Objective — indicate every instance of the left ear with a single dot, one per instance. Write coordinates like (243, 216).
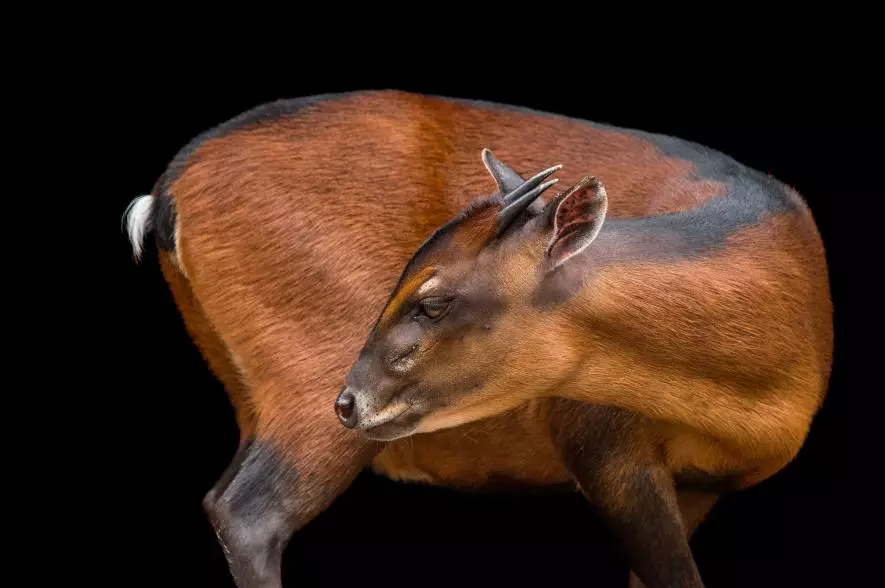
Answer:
(577, 216)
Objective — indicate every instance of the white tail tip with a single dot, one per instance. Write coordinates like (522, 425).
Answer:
(136, 222)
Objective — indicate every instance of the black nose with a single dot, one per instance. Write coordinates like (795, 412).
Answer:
(344, 408)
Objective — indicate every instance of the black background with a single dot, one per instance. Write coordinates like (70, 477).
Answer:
(176, 431)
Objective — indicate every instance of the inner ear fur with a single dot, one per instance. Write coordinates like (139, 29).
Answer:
(575, 217)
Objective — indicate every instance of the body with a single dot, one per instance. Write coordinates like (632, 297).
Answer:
(281, 234)
(725, 347)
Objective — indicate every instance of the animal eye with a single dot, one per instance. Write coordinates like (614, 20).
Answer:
(433, 308)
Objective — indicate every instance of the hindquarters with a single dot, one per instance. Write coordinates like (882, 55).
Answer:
(153, 215)
(294, 458)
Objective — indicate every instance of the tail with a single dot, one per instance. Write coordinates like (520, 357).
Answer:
(138, 222)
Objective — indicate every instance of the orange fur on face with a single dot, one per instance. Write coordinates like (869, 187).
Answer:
(405, 291)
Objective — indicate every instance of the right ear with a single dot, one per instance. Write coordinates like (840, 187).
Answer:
(576, 216)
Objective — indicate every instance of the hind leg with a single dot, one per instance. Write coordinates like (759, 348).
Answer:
(216, 354)
(279, 480)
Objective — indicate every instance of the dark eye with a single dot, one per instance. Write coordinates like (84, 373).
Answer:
(433, 308)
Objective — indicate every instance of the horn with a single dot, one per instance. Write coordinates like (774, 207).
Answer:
(522, 201)
(505, 178)
(529, 185)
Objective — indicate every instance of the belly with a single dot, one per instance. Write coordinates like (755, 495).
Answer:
(515, 451)
(512, 450)
(699, 462)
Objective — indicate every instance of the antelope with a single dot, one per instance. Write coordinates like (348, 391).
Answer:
(706, 319)
(282, 232)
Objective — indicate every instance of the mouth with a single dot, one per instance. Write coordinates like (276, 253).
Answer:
(394, 422)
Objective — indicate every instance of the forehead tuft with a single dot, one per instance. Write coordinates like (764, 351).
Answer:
(463, 236)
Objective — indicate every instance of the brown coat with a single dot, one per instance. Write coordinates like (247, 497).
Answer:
(284, 231)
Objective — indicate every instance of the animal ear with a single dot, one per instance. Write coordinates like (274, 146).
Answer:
(577, 216)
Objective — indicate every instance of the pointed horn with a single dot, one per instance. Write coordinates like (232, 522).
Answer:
(530, 184)
(516, 207)
(505, 178)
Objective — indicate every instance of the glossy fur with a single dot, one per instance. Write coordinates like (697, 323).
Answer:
(283, 233)
(713, 320)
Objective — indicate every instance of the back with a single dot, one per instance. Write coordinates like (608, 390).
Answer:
(345, 188)
(301, 213)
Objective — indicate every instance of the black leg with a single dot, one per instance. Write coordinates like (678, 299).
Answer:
(251, 516)
(646, 520)
(694, 507)
(619, 471)
(268, 493)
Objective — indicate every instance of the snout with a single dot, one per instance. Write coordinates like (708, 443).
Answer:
(379, 416)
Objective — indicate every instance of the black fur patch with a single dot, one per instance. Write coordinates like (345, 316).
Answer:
(638, 504)
(750, 194)
(249, 510)
(163, 219)
(700, 481)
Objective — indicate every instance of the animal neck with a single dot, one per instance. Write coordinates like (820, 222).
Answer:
(664, 328)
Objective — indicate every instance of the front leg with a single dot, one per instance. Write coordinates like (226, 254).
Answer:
(618, 470)
(694, 507)
(288, 469)
(640, 505)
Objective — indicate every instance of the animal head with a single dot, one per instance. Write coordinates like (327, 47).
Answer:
(465, 333)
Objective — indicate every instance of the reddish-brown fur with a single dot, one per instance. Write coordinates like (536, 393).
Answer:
(292, 233)
(311, 241)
